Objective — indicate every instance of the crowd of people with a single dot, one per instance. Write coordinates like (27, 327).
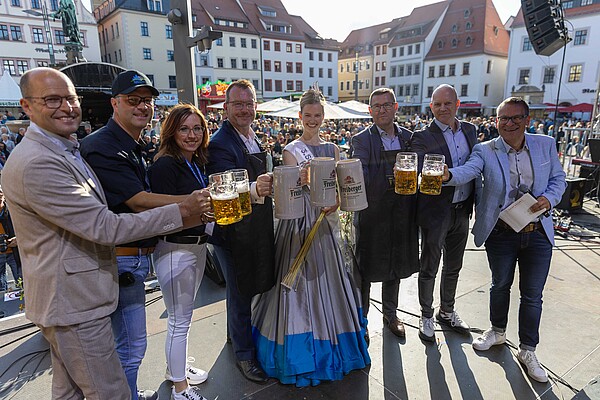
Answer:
(90, 213)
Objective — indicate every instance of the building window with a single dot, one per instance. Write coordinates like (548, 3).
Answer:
(580, 37)
(329, 73)
(417, 48)
(409, 70)
(277, 66)
(575, 73)
(452, 70)
(320, 56)
(320, 72)
(172, 82)
(231, 41)
(54, 5)
(400, 70)
(464, 90)
(311, 72)
(466, 68)
(440, 44)
(15, 3)
(442, 70)
(407, 90)
(288, 48)
(298, 86)
(59, 36)
(311, 55)
(220, 62)
(400, 91)
(376, 82)
(38, 35)
(467, 13)
(289, 67)
(117, 28)
(267, 45)
(253, 43)
(255, 64)
(298, 67)
(431, 72)
(120, 55)
(417, 69)
(289, 85)
(203, 60)
(454, 43)
(549, 73)
(278, 85)
(267, 66)
(524, 76)
(409, 50)
(244, 63)
(168, 32)
(486, 90)
(526, 44)
(415, 89)
(469, 41)
(4, 32)
(243, 43)
(489, 67)
(468, 26)
(586, 2)
(268, 85)
(16, 34)
(429, 91)
(219, 41)
(170, 55)
(341, 86)
(454, 28)
(233, 62)
(147, 53)
(401, 51)
(393, 71)
(277, 47)
(255, 83)
(394, 51)
(9, 65)
(567, 5)
(329, 91)
(367, 84)
(329, 57)
(144, 29)
(36, 4)
(377, 66)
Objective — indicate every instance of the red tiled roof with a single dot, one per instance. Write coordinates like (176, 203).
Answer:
(487, 33)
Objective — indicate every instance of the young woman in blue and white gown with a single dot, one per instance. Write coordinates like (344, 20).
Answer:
(316, 332)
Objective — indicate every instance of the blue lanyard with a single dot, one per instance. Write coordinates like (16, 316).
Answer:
(196, 171)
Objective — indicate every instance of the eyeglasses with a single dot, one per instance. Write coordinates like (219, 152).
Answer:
(135, 101)
(386, 106)
(517, 119)
(198, 130)
(55, 102)
(238, 105)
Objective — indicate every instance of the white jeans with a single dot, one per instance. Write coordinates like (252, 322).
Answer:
(179, 269)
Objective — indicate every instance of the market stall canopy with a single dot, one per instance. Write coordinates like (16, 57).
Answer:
(582, 108)
(217, 105)
(354, 105)
(332, 111)
(10, 93)
(274, 105)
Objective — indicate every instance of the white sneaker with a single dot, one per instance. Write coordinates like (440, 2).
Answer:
(195, 376)
(488, 339)
(534, 369)
(427, 329)
(190, 393)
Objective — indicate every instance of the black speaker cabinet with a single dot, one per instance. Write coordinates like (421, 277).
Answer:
(591, 175)
(572, 199)
(545, 25)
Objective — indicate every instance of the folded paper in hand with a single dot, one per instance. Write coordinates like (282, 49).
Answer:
(518, 215)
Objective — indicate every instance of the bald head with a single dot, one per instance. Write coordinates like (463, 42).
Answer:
(32, 76)
(446, 89)
(444, 104)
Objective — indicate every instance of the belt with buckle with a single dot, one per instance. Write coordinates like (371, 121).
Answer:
(186, 239)
(133, 251)
(530, 227)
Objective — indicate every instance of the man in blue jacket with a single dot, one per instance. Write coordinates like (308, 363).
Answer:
(511, 165)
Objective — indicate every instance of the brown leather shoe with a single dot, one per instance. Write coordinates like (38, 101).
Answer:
(396, 326)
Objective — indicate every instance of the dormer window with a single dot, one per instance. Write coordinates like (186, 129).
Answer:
(454, 43)
(441, 44)
(469, 41)
(267, 11)
(468, 26)
(454, 28)
(467, 13)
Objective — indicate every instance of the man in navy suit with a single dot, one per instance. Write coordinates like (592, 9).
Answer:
(245, 249)
(512, 165)
(387, 236)
(444, 219)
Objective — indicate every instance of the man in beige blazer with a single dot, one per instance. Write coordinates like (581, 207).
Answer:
(67, 236)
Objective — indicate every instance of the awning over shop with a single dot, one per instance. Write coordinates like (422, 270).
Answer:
(474, 106)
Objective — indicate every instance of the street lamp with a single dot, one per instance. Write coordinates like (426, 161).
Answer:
(44, 15)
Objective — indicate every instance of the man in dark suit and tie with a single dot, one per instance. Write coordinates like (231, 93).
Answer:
(246, 249)
(387, 235)
(443, 219)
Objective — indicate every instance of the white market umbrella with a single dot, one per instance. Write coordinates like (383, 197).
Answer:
(332, 111)
(273, 105)
(354, 105)
(10, 92)
(217, 105)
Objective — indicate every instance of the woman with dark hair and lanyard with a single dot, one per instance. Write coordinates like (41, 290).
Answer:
(180, 258)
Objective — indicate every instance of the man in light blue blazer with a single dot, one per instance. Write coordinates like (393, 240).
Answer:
(511, 165)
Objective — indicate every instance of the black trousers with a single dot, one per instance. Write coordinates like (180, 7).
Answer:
(449, 238)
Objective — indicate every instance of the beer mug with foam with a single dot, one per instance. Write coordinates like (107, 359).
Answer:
(322, 182)
(287, 192)
(353, 196)
(432, 173)
(225, 199)
(240, 176)
(405, 173)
